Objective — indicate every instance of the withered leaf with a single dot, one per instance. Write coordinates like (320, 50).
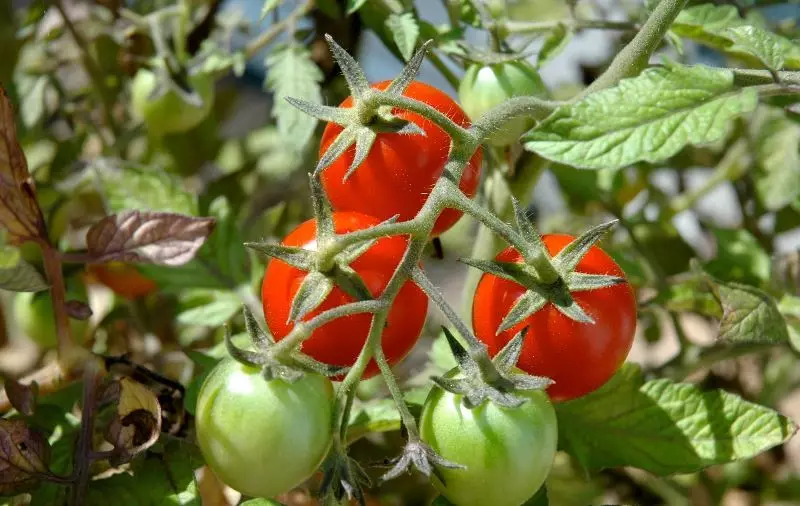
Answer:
(137, 423)
(24, 457)
(22, 397)
(148, 237)
(19, 211)
(78, 310)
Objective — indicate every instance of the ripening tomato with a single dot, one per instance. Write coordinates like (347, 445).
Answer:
(579, 357)
(508, 452)
(263, 437)
(400, 170)
(169, 113)
(123, 279)
(339, 342)
(487, 86)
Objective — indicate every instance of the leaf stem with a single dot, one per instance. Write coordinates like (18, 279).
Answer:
(528, 27)
(635, 56)
(275, 30)
(528, 106)
(55, 276)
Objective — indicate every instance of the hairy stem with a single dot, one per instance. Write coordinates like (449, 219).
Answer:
(55, 276)
(635, 56)
(375, 99)
(275, 30)
(528, 106)
(522, 27)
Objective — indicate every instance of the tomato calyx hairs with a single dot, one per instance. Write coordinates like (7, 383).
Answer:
(546, 278)
(367, 117)
(325, 270)
(494, 380)
(289, 367)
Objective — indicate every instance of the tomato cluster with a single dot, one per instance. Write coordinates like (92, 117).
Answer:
(507, 451)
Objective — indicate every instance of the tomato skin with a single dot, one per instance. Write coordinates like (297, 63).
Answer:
(487, 86)
(261, 437)
(33, 313)
(579, 357)
(169, 114)
(123, 279)
(508, 451)
(400, 170)
(339, 342)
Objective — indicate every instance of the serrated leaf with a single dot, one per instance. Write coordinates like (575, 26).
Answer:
(167, 479)
(24, 456)
(654, 116)
(405, 32)
(770, 49)
(739, 257)
(789, 306)
(16, 274)
(292, 72)
(127, 187)
(748, 315)
(555, 42)
(777, 153)
(704, 23)
(665, 427)
(148, 237)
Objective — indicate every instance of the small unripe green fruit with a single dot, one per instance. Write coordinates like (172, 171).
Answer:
(169, 113)
(33, 313)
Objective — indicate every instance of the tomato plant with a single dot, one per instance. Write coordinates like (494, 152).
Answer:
(508, 452)
(400, 170)
(340, 341)
(170, 113)
(579, 357)
(486, 86)
(33, 312)
(123, 279)
(263, 437)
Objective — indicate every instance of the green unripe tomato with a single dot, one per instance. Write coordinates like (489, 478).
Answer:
(261, 437)
(33, 313)
(508, 451)
(169, 113)
(487, 86)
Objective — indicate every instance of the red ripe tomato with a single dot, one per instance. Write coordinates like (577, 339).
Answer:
(400, 170)
(579, 357)
(339, 342)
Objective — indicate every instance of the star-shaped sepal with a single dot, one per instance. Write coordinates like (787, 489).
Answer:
(325, 271)
(478, 379)
(363, 121)
(287, 367)
(343, 478)
(548, 279)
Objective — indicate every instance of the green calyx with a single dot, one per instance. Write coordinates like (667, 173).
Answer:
(368, 116)
(287, 367)
(546, 278)
(483, 379)
(325, 269)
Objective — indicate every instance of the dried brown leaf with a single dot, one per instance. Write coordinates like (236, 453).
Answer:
(137, 422)
(24, 457)
(148, 237)
(19, 211)
(22, 397)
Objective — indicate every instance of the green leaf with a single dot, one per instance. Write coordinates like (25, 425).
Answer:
(127, 187)
(770, 49)
(665, 427)
(166, 479)
(292, 73)
(748, 315)
(740, 257)
(688, 296)
(354, 5)
(654, 116)
(789, 306)
(539, 498)
(706, 23)
(555, 42)
(261, 502)
(16, 274)
(217, 310)
(777, 153)
(375, 416)
(405, 32)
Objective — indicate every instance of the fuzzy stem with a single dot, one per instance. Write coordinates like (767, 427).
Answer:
(635, 56)
(528, 106)
(522, 27)
(275, 30)
(52, 268)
